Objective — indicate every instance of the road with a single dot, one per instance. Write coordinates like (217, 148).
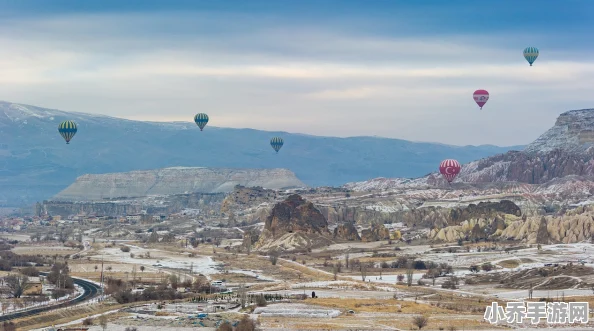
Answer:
(90, 290)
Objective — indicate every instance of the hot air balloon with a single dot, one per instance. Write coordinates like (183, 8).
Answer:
(530, 54)
(276, 143)
(67, 130)
(201, 120)
(449, 169)
(481, 97)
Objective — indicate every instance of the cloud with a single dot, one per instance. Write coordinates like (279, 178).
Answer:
(258, 72)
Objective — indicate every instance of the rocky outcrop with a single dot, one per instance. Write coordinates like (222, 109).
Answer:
(177, 180)
(246, 197)
(573, 132)
(358, 214)
(532, 168)
(542, 235)
(473, 229)
(570, 228)
(346, 231)
(377, 232)
(295, 215)
(294, 224)
(442, 217)
(575, 225)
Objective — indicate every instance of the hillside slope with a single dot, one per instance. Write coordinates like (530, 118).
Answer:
(35, 163)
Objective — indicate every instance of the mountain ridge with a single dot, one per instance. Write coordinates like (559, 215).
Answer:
(35, 162)
(566, 149)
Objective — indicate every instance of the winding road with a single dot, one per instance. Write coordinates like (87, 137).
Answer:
(90, 290)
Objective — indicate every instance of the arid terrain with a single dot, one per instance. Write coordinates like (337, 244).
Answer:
(383, 254)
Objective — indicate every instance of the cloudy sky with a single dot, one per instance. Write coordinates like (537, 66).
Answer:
(401, 69)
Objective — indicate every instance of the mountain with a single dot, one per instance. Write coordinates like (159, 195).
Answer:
(35, 163)
(567, 149)
(171, 181)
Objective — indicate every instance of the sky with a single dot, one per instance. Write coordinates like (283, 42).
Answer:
(391, 68)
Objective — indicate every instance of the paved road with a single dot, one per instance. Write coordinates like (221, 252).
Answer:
(90, 290)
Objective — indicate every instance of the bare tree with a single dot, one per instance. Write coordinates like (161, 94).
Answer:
(103, 322)
(346, 260)
(134, 276)
(242, 293)
(16, 285)
(63, 236)
(335, 269)
(273, 257)
(420, 321)
(363, 268)
(409, 274)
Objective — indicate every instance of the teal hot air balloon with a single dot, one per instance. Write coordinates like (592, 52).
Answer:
(67, 130)
(276, 143)
(530, 54)
(201, 120)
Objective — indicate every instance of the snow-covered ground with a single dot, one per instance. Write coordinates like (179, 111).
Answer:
(296, 310)
(199, 264)
(253, 273)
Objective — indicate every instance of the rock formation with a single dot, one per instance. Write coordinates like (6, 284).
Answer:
(375, 233)
(294, 224)
(346, 231)
(296, 215)
(443, 217)
(573, 226)
(177, 180)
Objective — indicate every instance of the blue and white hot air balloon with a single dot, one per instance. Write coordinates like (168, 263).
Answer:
(530, 54)
(201, 120)
(277, 143)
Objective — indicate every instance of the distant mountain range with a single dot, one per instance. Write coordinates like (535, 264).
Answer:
(35, 162)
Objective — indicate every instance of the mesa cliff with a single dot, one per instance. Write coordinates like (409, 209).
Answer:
(170, 181)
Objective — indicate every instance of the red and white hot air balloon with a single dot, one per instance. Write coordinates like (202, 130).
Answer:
(449, 169)
(481, 97)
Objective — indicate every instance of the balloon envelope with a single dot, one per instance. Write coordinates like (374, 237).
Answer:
(277, 143)
(201, 120)
(67, 130)
(530, 54)
(481, 97)
(449, 169)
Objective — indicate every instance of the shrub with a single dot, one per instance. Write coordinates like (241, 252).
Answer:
(261, 301)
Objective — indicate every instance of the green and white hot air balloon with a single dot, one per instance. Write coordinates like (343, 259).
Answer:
(67, 130)
(201, 119)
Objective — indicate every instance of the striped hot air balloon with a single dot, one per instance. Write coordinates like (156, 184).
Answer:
(530, 54)
(67, 130)
(449, 169)
(201, 119)
(277, 143)
(481, 97)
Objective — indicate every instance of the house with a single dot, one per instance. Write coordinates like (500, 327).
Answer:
(133, 218)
